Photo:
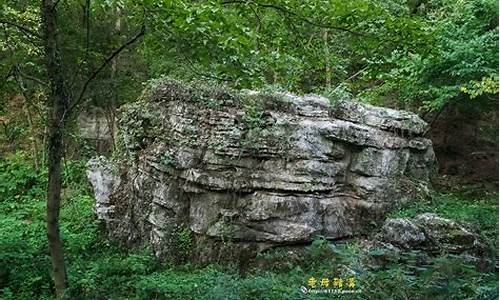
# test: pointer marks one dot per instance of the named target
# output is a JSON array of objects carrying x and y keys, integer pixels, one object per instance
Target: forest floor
[{"x": 98, "y": 269}]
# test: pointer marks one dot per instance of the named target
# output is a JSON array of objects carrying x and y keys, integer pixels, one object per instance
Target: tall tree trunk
[
  {"x": 54, "y": 200},
  {"x": 59, "y": 100},
  {"x": 60, "y": 105}
]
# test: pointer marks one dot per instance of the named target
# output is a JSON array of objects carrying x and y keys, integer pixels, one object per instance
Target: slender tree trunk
[
  {"x": 44, "y": 143},
  {"x": 29, "y": 119},
  {"x": 34, "y": 143},
  {"x": 328, "y": 72},
  {"x": 114, "y": 98},
  {"x": 59, "y": 100},
  {"x": 87, "y": 26},
  {"x": 53, "y": 202}
]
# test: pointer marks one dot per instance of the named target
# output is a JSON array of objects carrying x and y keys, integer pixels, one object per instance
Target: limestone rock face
[
  {"x": 103, "y": 177},
  {"x": 257, "y": 169}
]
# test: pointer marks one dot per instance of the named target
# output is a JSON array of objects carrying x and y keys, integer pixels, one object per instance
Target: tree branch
[
  {"x": 9, "y": 74},
  {"x": 29, "y": 77},
  {"x": 285, "y": 10},
  {"x": 257, "y": 17},
  {"x": 21, "y": 28},
  {"x": 55, "y": 4},
  {"x": 101, "y": 67},
  {"x": 17, "y": 74},
  {"x": 210, "y": 76},
  {"x": 356, "y": 74}
]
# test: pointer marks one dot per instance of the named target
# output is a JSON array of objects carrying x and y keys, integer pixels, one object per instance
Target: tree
[
  {"x": 59, "y": 101},
  {"x": 249, "y": 44},
  {"x": 61, "y": 104},
  {"x": 459, "y": 65}
]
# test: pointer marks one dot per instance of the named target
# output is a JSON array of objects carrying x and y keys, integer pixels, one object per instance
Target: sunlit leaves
[{"x": 461, "y": 59}]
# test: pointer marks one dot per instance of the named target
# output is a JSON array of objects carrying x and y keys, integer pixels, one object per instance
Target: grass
[{"x": 97, "y": 269}]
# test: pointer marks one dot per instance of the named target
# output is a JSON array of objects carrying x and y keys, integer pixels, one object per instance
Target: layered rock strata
[{"x": 255, "y": 169}]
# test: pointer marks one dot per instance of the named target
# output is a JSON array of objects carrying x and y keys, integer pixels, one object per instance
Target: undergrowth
[
  {"x": 97, "y": 269},
  {"x": 476, "y": 207}
]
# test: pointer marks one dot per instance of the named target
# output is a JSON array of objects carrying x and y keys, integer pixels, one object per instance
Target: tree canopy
[{"x": 408, "y": 54}]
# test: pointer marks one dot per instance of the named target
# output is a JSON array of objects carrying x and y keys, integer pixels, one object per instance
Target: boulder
[
  {"x": 431, "y": 233},
  {"x": 256, "y": 169}
]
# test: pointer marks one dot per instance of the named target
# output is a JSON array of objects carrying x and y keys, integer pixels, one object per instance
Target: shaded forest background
[{"x": 438, "y": 58}]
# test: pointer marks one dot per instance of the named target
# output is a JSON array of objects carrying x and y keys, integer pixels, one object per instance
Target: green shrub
[
  {"x": 19, "y": 181},
  {"x": 476, "y": 207}
]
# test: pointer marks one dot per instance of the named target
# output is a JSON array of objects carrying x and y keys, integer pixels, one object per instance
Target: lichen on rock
[{"x": 259, "y": 169}]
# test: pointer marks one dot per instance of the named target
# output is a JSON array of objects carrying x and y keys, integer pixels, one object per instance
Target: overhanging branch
[
  {"x": 29, "y": 77},
  {"x": 101, "y": 67},
  {"x": 21, "y": 28},
  {"x": 287, "y": 11}
]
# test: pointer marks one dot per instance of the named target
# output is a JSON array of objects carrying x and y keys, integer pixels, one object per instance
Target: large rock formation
[{"x": 254, "y": 169}]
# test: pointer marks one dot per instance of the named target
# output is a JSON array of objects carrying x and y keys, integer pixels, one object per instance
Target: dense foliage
[
  {"x": 422, "y": 55},
  {"x": 100, "y": 270},
  {"x": 428, "y": 52}
]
